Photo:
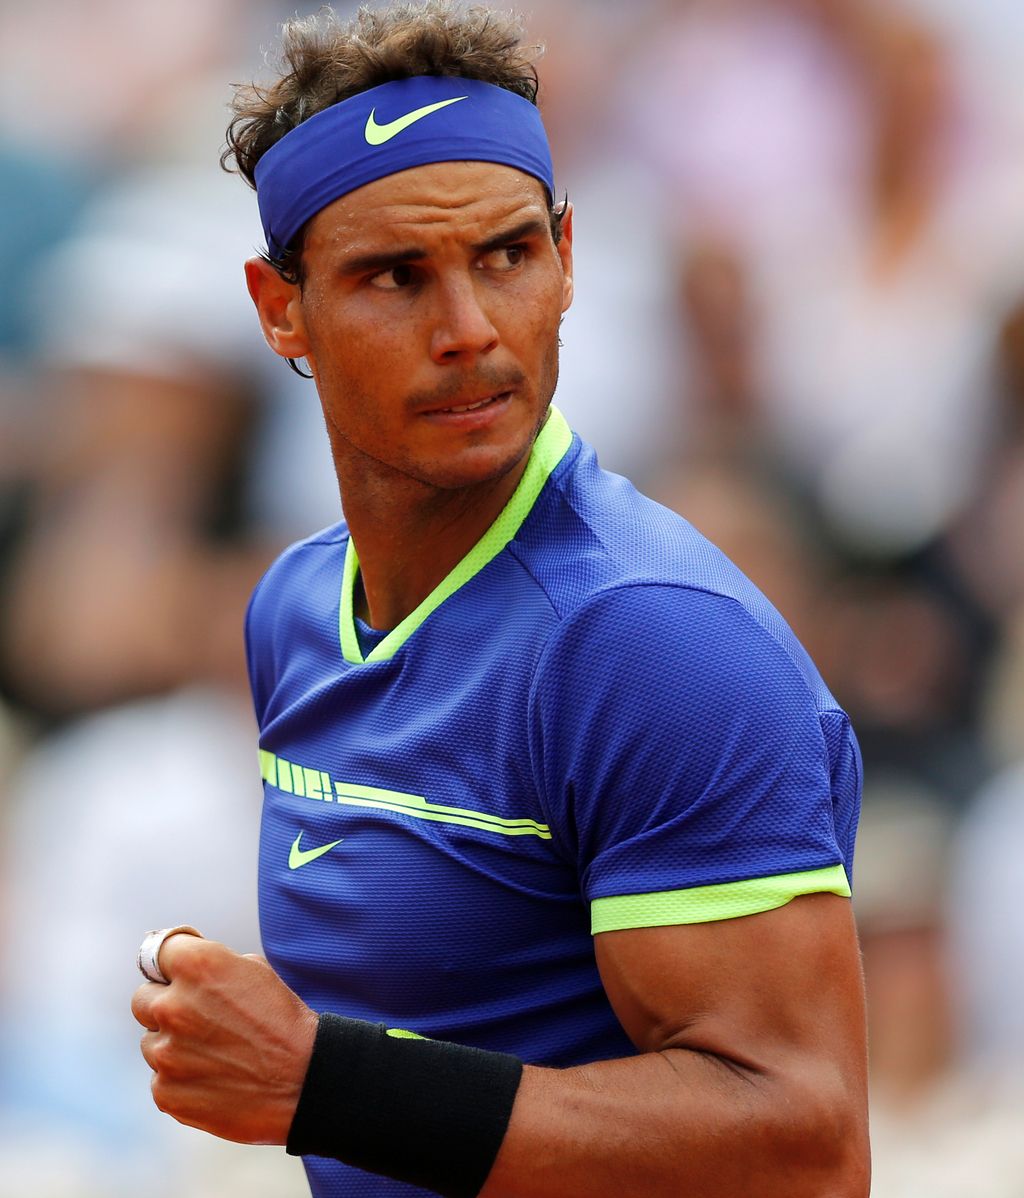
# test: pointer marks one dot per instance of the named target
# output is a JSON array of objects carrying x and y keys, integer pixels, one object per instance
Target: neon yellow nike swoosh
[
  {"x": 377, "y": 135},
  {"x": 300, "y": 857}
]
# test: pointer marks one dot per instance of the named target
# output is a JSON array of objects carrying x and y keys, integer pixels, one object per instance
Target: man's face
[{"x": 429, "y": 316}]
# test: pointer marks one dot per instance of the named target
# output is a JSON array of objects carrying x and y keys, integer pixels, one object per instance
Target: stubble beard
[{"x": 359, "y": 467}]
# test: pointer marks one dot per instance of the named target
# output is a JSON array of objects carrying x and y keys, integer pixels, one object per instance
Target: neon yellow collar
[{"x": 548, "y": 450}]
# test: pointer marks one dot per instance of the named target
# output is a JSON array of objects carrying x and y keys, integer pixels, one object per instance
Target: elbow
[
  {"x": 855, "y": 1165},
  {"x": 849, "y": 1163},
  {"x": 828, "y": 1153}
]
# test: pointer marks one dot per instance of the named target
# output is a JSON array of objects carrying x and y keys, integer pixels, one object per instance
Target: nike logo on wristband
[
  {"x": 297, "y": 858},
  {"x": 377, "y": 135}
]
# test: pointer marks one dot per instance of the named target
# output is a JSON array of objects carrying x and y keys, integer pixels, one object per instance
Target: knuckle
[
  {"x": 163, "y": 1010},
  {"x": 163, "y": 1057},
  {"x": 161, "y": 1098},
  {"x": 157, "y": 1055},
  {"x": 194, "y": 958},
  {"x": 146, "y": 1048}
]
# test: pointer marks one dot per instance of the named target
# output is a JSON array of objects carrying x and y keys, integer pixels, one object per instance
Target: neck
[{"x": 409, "y": 536}]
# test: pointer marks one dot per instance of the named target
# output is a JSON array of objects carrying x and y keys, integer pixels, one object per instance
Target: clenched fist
[{"x": 227, "y": 1041}]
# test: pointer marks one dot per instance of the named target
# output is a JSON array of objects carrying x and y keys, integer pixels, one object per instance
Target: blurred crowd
[{"x": 799, "y": 321}]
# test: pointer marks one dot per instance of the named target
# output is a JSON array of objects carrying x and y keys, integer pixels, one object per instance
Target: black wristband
[{"x": 421, "y": 1111}]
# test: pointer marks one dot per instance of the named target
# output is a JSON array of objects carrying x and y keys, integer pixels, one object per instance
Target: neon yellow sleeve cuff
[{"x": 703, "y": 904}]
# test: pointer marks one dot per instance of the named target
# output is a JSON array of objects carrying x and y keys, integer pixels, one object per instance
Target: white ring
[{"x": 148, "y": 959}]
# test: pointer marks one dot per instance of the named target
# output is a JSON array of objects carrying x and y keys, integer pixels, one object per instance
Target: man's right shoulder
[
  {"x": 294, "y": 608},
  {"x": 305, "y": 569}
]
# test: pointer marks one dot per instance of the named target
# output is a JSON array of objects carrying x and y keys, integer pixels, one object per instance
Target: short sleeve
[
  {"x": 265, "y": 615},
  {"x": 257, "y": 681},
  {"x": 680, "y": 753}
]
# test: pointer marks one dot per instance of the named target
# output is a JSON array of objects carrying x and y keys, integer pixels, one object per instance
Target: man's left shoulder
[
  {"x": 611, "y": 558},
  {"x": 591, "y": 529}
]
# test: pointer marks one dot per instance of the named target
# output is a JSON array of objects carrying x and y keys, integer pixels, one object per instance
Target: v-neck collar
[{"x": 548, "y": 450}]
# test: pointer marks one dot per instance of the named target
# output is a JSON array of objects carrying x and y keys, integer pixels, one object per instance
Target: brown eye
[
  {"x": 506, "y": 258},
  {"x": 394, "y": 278}
]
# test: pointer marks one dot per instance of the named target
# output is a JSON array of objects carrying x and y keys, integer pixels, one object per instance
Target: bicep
[
  {"x": 762, "y": 991},
  {"x": 750, "y": 1078}
]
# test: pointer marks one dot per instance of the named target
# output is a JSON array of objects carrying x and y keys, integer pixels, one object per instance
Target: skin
[
  {"x": 444, "y": 323},
  {"x": 751, "y": 1073}
]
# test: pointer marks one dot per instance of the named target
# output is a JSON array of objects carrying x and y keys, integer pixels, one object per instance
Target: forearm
[
  {"x": 680, "y": 1122},
  {"x": 760, "y": 1094},
  {"x": 667, "y": 1123}
]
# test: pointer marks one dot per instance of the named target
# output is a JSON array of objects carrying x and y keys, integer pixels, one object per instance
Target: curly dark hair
[{"x": 324, "y": 61}]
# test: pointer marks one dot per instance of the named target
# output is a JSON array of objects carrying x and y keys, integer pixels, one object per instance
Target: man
[{"x": 547, "y": 780}]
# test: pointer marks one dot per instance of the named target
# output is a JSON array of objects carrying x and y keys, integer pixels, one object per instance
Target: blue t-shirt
[{"x": 595, "y": 722}]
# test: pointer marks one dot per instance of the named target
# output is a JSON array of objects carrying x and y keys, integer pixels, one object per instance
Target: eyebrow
[
  {"x": 525, "y": 229},
  {"x": 386, "y": 261}
]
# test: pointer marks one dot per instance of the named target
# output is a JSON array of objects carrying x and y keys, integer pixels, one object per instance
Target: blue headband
[{"x": 408, "y": 122}]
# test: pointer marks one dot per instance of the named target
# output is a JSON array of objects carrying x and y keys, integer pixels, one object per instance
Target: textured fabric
[
  {"x": 400, "y": 124},
  {"x": 422, "y": 1110},
  {"x": 706, "y": 904},
  {"x": 608, "y": 708},
  {"x": 369, "y": 638}
]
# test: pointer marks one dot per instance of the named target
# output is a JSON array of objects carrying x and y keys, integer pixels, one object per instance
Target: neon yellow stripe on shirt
[
  {"x": 317, "y": 784},
  {"x": 416, "y": 805},
  {"x": 704, "y": 904}
]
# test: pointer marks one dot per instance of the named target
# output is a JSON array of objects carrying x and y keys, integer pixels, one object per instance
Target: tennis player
[{"x": 559, "y": 817}]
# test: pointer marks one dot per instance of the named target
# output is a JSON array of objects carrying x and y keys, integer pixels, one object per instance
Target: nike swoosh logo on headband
[{"x": 377, "y": 135}]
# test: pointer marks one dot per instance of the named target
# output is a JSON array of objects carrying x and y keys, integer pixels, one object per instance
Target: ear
[
  {"x": 279, "y": 305},
  {"x": 564, "y": 248}
]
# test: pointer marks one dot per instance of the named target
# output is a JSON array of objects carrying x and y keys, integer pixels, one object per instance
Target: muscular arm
[{"x": 751, "y": 1079}]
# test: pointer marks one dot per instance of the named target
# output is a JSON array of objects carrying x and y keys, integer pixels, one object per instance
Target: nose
[{"x": 462, "y": 324}]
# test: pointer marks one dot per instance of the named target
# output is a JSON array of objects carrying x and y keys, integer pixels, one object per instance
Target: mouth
[{"x": 475, "y": 405}]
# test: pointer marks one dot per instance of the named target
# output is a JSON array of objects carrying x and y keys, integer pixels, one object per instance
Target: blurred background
[{"x": 799, "y": 321}]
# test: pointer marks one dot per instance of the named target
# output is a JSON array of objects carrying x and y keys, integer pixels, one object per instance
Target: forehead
[{"x": 440, "y": 200}]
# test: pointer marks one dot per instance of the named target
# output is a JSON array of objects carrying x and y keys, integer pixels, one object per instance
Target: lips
[
  {"x": 474, "y": 407},
  {"x": 469, "y": 395},
  {"x": 467, "y": 404}
]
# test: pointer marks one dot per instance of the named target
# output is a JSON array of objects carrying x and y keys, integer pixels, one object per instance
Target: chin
[
  {"x": 469, "y": 460},
  {"x": 474, "y": 467}
]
